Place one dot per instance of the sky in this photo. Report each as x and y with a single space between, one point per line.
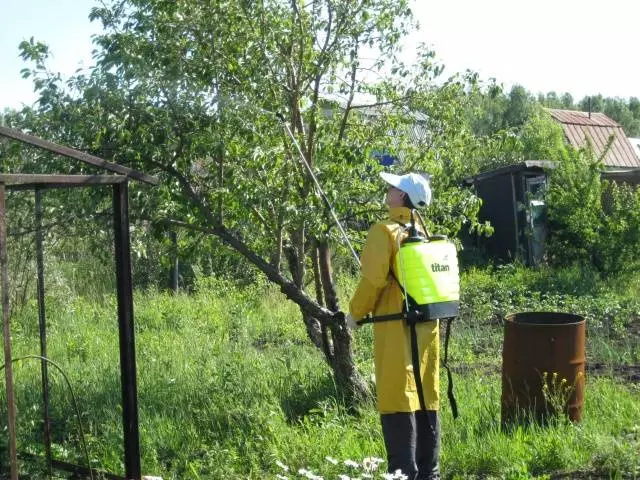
578 46
62 24
582 47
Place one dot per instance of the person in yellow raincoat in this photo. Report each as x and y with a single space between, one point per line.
409 418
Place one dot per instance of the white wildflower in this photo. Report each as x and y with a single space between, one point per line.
282 465
351 463
331 460
281 477
398 475
344 477
370 464
309 474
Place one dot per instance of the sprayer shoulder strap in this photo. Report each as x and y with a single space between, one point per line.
405 227
391 316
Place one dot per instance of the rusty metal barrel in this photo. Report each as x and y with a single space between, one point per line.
543 366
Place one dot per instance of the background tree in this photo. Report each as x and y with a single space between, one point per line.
519 107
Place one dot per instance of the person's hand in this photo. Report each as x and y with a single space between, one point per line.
351 323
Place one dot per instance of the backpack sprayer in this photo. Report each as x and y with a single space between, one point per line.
427 273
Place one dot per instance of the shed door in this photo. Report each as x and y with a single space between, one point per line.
536 217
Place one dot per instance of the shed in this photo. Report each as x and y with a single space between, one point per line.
627 176
599 128
512 201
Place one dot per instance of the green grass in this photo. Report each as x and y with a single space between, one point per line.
229 385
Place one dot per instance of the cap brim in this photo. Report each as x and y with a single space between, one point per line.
391 179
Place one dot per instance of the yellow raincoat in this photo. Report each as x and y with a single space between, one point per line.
380 294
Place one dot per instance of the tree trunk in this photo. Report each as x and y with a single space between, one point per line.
276 258
297 274
350 383
327 348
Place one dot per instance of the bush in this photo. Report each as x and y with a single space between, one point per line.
590 220
488 294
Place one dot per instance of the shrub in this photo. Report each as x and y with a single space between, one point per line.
591 221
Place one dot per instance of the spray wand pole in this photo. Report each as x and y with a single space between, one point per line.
318 187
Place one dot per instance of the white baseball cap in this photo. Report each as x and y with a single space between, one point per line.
413 184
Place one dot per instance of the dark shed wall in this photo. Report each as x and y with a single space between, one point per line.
498 207
508 195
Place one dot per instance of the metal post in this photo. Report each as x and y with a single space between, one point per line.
43 330
125 325
174 273
8 370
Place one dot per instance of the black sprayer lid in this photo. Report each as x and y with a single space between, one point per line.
414 236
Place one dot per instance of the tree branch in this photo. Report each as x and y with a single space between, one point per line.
260 217
400 100
352 86
287 287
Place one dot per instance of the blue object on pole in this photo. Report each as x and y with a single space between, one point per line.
384 158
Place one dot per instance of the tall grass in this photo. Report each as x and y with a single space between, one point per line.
230 387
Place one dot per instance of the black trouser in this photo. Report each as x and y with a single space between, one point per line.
412 440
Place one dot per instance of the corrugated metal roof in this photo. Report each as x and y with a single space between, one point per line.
598 128
582 118
417 132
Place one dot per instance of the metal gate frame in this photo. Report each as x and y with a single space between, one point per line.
38 183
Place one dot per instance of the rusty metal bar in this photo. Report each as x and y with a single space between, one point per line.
8 368
127 339
76 155
29 181
84 471
43 330
78 470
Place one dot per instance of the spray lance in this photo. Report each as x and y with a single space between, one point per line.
318 187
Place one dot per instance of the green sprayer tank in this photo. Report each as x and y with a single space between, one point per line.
428 273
